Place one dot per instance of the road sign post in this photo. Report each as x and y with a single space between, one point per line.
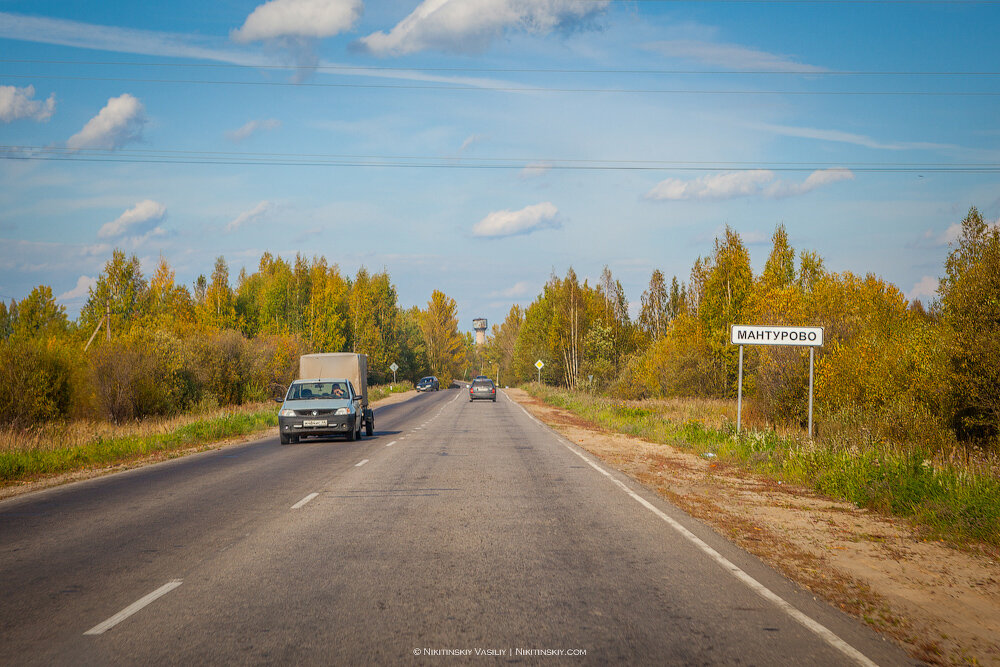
539 364
811 337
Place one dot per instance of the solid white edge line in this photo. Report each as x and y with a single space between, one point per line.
100 628
822 631
363 461
304 501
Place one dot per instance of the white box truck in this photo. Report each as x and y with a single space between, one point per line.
329 398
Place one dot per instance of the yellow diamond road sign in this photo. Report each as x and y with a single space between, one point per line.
539 364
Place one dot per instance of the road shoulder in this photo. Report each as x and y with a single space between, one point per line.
942 604
30 486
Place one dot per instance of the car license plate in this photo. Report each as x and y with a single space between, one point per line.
314 422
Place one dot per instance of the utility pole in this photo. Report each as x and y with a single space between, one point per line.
107 317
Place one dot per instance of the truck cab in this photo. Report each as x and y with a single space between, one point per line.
321 407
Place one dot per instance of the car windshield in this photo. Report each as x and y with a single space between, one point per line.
483 383
422 380
308 390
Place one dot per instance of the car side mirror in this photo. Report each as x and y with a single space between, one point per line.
278 399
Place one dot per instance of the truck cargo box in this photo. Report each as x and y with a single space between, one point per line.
353 367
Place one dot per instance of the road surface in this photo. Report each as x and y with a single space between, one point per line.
458 530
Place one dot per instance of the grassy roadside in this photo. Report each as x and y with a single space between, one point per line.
949 499
64 447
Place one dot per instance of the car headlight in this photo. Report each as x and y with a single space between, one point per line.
287 413
343 411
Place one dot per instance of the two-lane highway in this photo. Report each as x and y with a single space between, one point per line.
459 527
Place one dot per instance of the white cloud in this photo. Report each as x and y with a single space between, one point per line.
253 127
119 123
953 233
250 216
846 138
535 169
817 179
716 186
17 103
82 35
110 38
299 18
511 223
731 56
752 183
925 288
469 25
470 141
136 221
83 285
521 288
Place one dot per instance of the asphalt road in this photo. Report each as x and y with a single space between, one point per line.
459 527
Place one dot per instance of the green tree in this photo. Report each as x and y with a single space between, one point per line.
39 316
218 309
121 288
779 271
727 288
656 306
375 322
970 305
444 344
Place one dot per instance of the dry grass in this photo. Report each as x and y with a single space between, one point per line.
63 435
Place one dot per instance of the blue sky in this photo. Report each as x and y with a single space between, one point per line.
476 146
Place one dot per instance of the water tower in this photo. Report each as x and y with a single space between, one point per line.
479 325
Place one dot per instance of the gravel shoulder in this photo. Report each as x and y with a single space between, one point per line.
941 603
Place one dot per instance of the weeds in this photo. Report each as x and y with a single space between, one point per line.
61 447
951 497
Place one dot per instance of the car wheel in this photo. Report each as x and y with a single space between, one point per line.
370 428
351 435
285 439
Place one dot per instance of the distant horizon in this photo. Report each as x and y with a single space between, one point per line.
480 153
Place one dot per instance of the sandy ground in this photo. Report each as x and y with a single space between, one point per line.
940 602
17 488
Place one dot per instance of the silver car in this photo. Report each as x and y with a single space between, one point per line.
323 407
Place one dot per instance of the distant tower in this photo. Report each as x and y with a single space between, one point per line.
479 324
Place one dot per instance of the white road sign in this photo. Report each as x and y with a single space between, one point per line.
766 335
539 364
394 367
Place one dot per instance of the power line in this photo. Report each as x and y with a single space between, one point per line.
512 89
439 162
501 70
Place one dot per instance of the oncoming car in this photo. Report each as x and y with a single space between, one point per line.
429 383
321 407
482 389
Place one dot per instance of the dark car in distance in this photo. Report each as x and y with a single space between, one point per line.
482 389
429 383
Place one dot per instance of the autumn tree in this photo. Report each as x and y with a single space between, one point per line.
121 288
656 302
970 305
444 344
375 321
39 316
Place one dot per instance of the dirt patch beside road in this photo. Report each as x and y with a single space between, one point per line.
941 603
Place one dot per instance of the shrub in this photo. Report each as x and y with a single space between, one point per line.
37 381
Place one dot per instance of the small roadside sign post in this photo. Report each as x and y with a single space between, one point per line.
539 364
394 368
811 337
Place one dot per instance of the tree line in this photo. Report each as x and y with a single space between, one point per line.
893 369
144 346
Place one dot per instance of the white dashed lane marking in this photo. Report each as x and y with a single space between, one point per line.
304 501
101 628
